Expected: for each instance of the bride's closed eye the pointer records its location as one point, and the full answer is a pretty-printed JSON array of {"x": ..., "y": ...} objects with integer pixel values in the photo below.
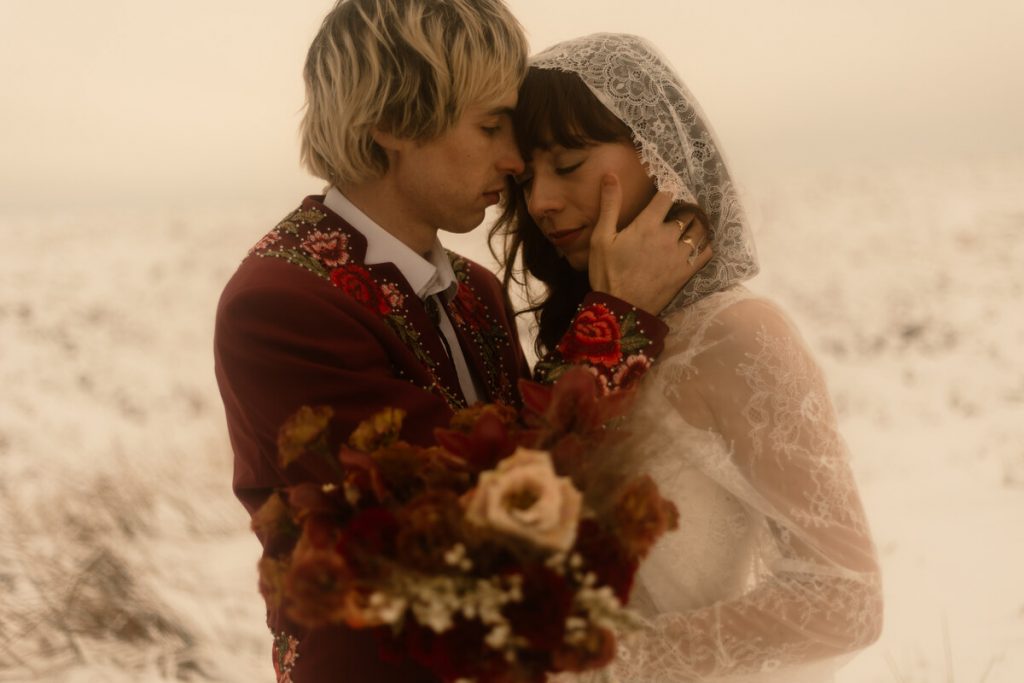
[
  {"x": 525, "y": 179},
  {"x": 553, "y": 161},
  {"x": 566, "y": 170}
]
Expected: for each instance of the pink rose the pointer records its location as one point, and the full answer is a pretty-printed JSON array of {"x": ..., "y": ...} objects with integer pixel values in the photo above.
[{"x": 524, "y": 497}]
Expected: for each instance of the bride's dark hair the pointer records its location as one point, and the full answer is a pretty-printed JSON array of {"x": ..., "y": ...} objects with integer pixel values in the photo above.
[{"x": 555, "y": 108}]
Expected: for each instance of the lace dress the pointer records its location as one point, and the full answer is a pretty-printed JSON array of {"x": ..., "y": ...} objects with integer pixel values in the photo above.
[{"x": 772, "y": 575}]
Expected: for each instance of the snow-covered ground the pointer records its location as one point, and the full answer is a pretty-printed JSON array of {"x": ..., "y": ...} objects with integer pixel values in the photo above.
[{"x": 124, "y": 557}]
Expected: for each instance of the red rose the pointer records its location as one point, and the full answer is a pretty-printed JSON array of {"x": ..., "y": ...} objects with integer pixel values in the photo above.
[
  {"x": 359, "y": 284},
  {"x": 468, "y": 309},
  {"x": 594, "y": 337}
]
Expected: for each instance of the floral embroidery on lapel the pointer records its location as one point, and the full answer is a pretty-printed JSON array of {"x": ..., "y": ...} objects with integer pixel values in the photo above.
[
  {"x": 387, "y": 300},
  {"x": 489, "y": 338},
  {"x": 610, "y": 347},
  {"x": 316, "y": 249},
  {"x": 330, "y": 248},
  {"x": 286, "y": 651},
  {"x": 359, "y": 283},
  {"x": 327, "y": 253}
]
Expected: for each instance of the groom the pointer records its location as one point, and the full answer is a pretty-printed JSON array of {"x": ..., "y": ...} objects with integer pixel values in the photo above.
[{"x": 351, "y": 301}]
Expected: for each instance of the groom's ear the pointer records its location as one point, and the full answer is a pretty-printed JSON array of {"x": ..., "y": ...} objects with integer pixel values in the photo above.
[{"x": 389, "y": 142}]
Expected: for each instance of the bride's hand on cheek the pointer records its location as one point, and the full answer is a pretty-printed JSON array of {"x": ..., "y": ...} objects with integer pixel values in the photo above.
[{"x": 647, "y": 262}]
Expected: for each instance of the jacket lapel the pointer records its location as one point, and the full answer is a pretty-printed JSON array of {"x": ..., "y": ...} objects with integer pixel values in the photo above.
[
  {"x": 485, "y": 343},
  {"x": 315, "y": 238}
]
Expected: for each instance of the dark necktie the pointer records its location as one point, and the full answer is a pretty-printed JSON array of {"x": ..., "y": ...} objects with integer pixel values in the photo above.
[{"x": 434, "y": 312}]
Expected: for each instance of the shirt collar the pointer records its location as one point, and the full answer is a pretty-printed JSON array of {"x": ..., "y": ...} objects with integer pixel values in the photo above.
[{"x": 433, "y": 275}]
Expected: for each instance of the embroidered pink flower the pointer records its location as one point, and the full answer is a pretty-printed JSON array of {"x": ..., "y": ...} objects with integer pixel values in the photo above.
[
  {"x": 358, "y": 283},
  {"x": 292, "y": 654},
  {"x": 286, "y": 651},
  {"x": 266, "y": 241},
  {"x": 633, "y": 368},
  {"x": 393, "y": 295},
  {"x": 603, "y": 385},
  {"x": 595, "y": 338},
  {"x": 330, "y": 247}
]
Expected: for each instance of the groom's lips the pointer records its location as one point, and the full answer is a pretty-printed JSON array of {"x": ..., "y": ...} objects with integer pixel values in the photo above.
[{"x": 493, "y": 196}]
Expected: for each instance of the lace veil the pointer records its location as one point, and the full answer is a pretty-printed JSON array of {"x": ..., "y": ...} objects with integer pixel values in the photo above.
[
  {"x": 676, "y": 143},
  {"x": 772, "y": 576}
]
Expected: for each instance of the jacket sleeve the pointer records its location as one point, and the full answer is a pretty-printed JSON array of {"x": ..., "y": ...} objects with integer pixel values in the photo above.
[
  {"x": 614, "y": 340},
  {"x": 280, "y": 346}
]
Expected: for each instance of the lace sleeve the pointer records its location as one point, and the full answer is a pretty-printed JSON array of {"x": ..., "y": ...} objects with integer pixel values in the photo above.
[{"x": 813, "y": 593}]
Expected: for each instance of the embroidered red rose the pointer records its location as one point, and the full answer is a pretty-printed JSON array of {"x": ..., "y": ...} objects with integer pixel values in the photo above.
[
  {"x": 595, "y": 337},
  {"x": 468, "y": 310},
  {"x": 330, "y": 247},
  {"x": 358, "y": 283}
]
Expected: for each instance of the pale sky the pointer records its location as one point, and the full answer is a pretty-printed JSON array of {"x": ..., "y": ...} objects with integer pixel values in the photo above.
[{"x": 181, "y": 102}]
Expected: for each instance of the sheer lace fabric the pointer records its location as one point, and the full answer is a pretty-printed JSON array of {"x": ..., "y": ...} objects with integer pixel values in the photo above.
[
  {"x": 772, "y": 574},
  {"x": 675, "y": 140}
]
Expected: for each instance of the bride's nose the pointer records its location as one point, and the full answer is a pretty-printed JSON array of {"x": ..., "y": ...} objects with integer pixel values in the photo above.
[{"x": 543, "y": 198}]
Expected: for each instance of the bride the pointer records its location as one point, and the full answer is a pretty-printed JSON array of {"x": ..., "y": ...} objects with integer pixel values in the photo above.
[{"x": 772, "y": 575}]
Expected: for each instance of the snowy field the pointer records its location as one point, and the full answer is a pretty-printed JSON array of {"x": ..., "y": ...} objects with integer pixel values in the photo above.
[{"x": 124, "y": 557}]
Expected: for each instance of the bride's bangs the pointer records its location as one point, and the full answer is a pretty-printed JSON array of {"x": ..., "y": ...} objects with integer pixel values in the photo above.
[{"x": 557, "y": 108}]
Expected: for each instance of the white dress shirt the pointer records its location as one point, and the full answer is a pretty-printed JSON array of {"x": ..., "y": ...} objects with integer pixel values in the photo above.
[{"x": 433, "y": 277}]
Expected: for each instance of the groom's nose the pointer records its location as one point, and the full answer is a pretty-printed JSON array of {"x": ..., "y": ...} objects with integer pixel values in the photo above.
[{"x": 511, "y": 161}]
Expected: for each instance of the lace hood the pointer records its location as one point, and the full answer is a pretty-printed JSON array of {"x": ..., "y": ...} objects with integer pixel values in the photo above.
[{"x": 675, "y": 141}]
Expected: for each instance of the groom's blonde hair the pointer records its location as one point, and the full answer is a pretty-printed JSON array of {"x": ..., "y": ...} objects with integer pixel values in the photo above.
[{"x": 406, "y": 67}]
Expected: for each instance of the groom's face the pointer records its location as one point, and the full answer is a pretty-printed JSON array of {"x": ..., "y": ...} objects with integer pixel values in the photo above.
[{"x": 449, "y": 181}]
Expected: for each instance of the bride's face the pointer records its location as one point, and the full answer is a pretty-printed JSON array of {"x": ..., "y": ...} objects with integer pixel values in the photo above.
[{"x": 562, "y": 188}]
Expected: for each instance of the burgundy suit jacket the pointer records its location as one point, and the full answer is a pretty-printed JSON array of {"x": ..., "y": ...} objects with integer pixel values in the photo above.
[{"x": 304, "y": 321}]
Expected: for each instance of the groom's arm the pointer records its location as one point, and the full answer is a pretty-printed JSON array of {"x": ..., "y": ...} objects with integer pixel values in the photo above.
[{"x": 283, "y": 340}]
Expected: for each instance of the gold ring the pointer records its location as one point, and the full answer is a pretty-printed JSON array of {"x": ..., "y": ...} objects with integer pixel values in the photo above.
[
  {"x": 682, "y": 226},
  {"x": 694, "y": 249}
]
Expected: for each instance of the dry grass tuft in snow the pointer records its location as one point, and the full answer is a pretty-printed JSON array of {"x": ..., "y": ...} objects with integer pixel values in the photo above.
[{"x": 124, "y": 557}]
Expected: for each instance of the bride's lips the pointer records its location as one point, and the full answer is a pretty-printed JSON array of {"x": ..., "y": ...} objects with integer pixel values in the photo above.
[{"x": 562, "y": 238}]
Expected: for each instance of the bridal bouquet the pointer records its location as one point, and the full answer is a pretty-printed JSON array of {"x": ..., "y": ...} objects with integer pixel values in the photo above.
[{"x": 500, "y": 554}]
